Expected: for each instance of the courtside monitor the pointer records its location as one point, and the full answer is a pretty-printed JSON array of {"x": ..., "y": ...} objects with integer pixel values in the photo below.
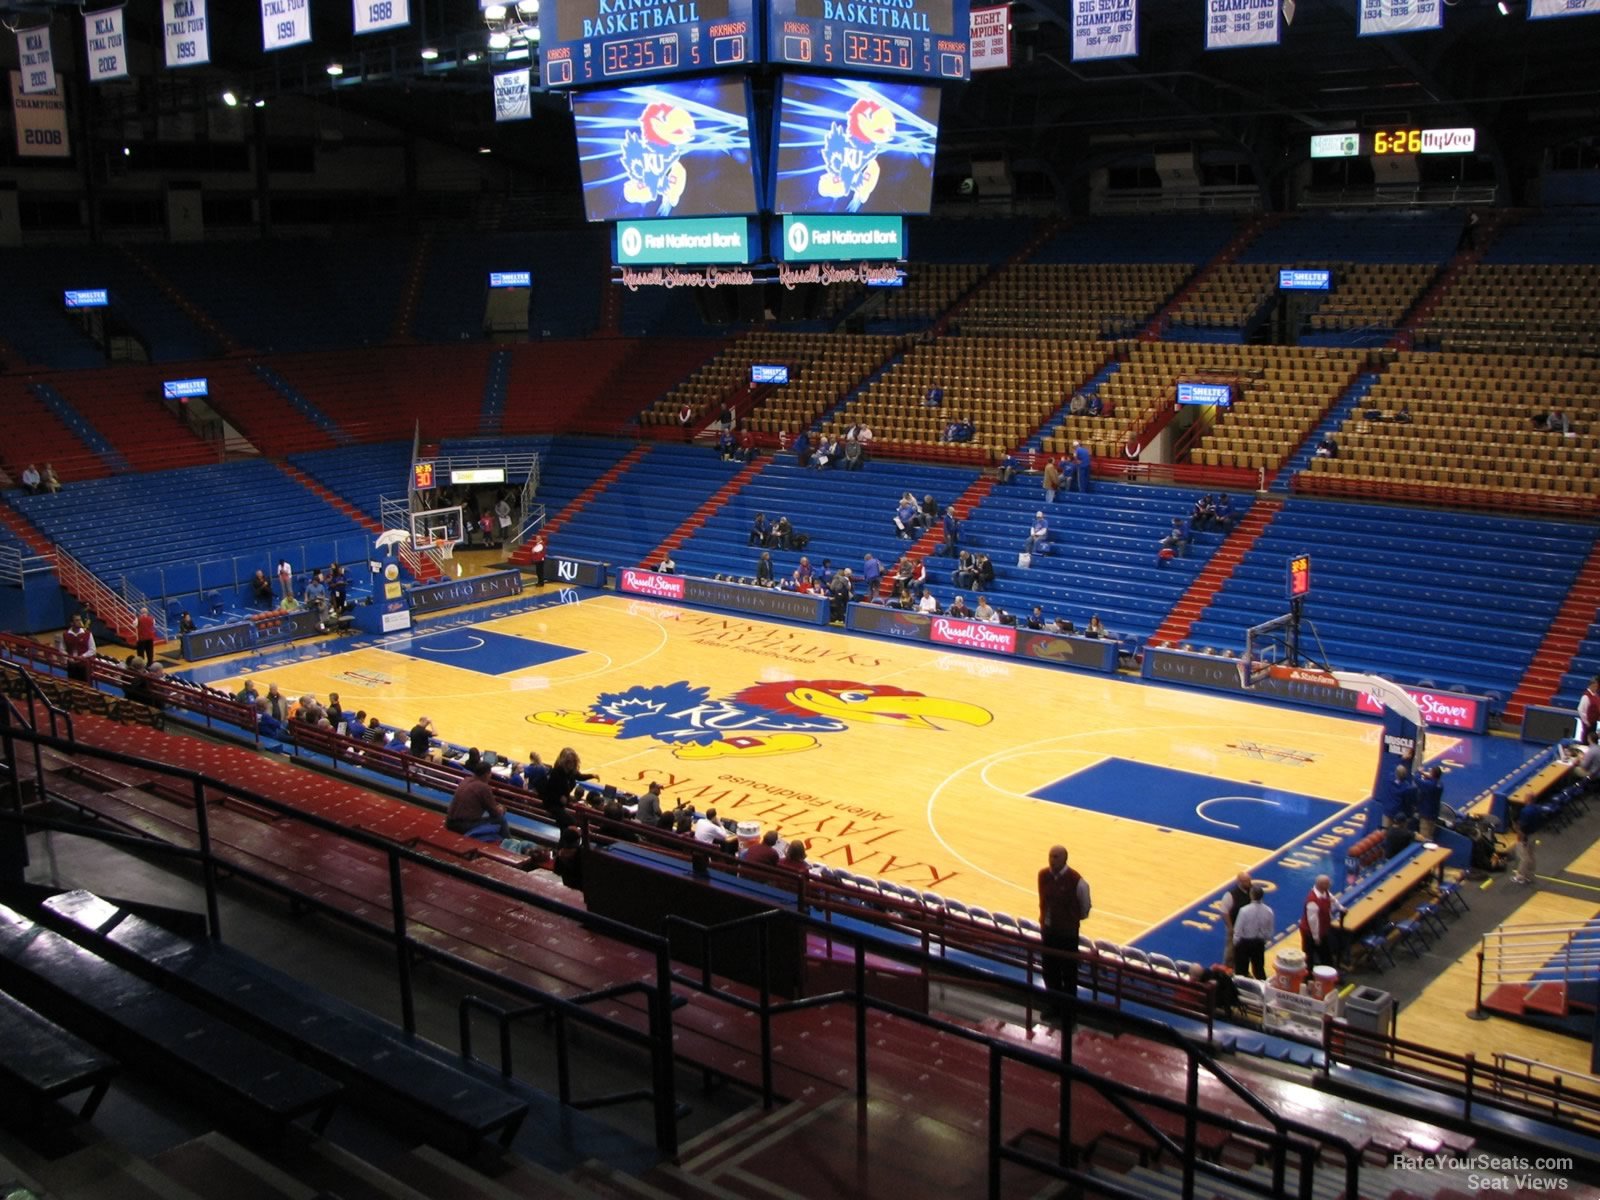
[
  {"x": 185, "y": 389},
  {"x": 510, "y": 279},
  {"x": 1220, "y": 394},
  {"x": 854, "y": 146},
  {"x": 769, "y": 373},
  {"x": 676, "y": 148},
  {"x": 87, "y": 298},
  {"x": 1304, "y": 281}
]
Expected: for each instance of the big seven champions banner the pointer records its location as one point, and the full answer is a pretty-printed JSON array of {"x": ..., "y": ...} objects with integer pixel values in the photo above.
[
  {"x": 41, "y": 121},
  {"x": 1232, "y": 23},
  {"x": 1104, "y": 29},
  {"x": 373, "y": 15},
  {"x": 188, "y": 39},
  {"x": 1562, "y": 8},
  {"x": 285, "y": 23},
  {"x": 107, "y": 47},
  {"x": 513, "y": 95},
  {"x": 38, "y": 63},
  {"x": 1399, "y": 16}
]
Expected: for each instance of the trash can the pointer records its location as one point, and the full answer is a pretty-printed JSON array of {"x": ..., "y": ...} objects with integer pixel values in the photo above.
[{"x": 1370, "y": 1010}]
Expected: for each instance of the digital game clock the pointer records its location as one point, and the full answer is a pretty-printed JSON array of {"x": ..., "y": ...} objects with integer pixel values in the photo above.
[
  {"x": 915, "y": 39},
  {"x": 595, "y": 41}
]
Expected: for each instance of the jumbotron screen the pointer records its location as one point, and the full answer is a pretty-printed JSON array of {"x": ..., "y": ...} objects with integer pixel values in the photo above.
[
  {"x": 678, "y": 148},
  {"x": 854, "y": 146}
]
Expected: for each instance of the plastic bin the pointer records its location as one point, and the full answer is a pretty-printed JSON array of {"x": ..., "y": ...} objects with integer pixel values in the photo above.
[{"x": 1370, "y": 1010}]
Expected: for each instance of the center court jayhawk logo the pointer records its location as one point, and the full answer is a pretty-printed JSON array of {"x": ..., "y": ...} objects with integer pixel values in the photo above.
[{"x": 766, "y": 719}]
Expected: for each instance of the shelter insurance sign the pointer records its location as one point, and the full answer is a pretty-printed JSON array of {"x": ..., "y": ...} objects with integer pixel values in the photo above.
[
  {"x": 1400, "y": 16},
  {"x": 1234, "y": 23},
  {"x": 41, "y": 121},
  {"x": 989, "y": 46},
  {"x": 106, "y": 45},
  {"x": 285, "y": 23},
  {"x": 188, "y": 40},
  {"x": 38, "y": 62},
  {"x": 1104, "y": 29}
]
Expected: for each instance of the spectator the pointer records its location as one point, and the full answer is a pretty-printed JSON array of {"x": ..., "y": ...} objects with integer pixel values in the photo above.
[
  {"x": 1036, "y": 618},
  {"x": 1081, "y": 462},
  {"x": 31, "y": 480},
  {"x": 77, "y": 643},
  {"x": 1328, "y": 449},
  {"x": 568, "y": 864},
  {"x": 1051, "y": 480},
  {"x": 1078, "y": 405},
  {"x": 534, "y": 771},
  {"x": 985, "y": 611},
  {"x": 186, "y": 623},
  {"x": 1227, "y": 992},
  {"x": 1178, "y": 538},
  {"x": 965, "y": 574},
  {"x": 1096, "y": 628},
  {"x": 1038, "y": 535},
  {"x": 918, "y": 583},
  {"x": 667, "y": 565},
  {"x": 248, "y": 693},
  {"x": 952, "y": 533},
  {"x": 710, "y": 831},
  {"x": 935, "y": 397},
  {"x": 905, "y": 517},
  {"x": 928, "y": 605},
  {"x": 1430, "y": 799},
  {"x": 1096, "y": 405},
  {"x": 1399, "y": 800},
  {"x": 852, "y": 455},
  {"x": 959, "y": 609},
  {"x": 1233, "y": 900},
  {"x": 1469, "y": 232},
  {"x": 871, "y": 573},
  {"x": 557, "y": 784},
  {"x": 317, "y": 595},
  {"x": 338, "y": 589},
  {"x": 648, "y": 810},
  {"x": 802, "y": 449},
  {"x": 1223, "y": 513},
  {"x": 421, "y": 738},
  {"x": 928, "y": 513},
  {"x": 285, "y": 581},
  {"x": 1065, "y": 625},
  {"x": 765, "y": 852},
  {"x": 985, "y": 569},
  {"x": 374, "y": 734},
  {"x": 840, "y": 590},
  {"x": 827, "y": 453},
  {"x": 1253, "y": 927},
  {"x": 267, "y": 725},
  {"x": 1403, "y": 417},
  {"x": 794, "y": 857},
  {"x": 803, "y": 576},
  {"x": 474, "y": 812},
  {"x": 1589, "y": 712},
  {"x": 764, "y": 569},
  {"x": 685, "y": 420}
]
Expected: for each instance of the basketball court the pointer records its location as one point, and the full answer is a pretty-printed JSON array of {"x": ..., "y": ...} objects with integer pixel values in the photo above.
[{"x": 944, "y": 771}]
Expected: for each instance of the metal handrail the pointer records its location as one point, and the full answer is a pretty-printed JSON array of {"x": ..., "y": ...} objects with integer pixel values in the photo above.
[
  {"x": 205, "y": 790},
  {"x": 102, "y": 600}
]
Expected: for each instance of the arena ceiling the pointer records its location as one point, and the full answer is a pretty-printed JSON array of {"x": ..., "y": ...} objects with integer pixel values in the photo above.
[{"x": 1525, "y": 85}]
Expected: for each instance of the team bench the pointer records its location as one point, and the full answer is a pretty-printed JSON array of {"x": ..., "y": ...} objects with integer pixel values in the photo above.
[
  {"x": 382, "y": 1068},
  {"x": 152, "y": 1030}
]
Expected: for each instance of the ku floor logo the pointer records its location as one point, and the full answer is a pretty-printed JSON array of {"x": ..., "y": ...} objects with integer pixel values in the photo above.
[
  {"x": 632, "y": 243},
  {"x": 798, "y": 237}
]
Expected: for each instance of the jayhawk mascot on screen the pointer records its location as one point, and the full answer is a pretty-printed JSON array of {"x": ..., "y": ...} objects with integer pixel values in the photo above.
[
  {"x": 650, "y": 156},
  {"x": 850, "y": 152}
]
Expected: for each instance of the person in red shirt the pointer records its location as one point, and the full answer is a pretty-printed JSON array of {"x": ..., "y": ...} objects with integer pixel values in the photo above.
[
  {"x": 765, "y": 852},
  {"x": 1589, "y": 712},
  {"x": 1318, "y": 931},
  {"x": 145, "y": 636},
  {"x": 536, "y": 553},
  {"x": 77, "y": 642}
]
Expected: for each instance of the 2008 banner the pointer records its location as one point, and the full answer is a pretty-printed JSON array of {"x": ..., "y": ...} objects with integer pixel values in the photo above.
[
  {"x": 41, "y": 121},
  {"x": 373, "y": 15},
  {"x": 1234, "y": 23},
  {"x": 107, "y": 46},
  {"x": 188, "y": 38},
  {"x": 1400, "y": 16},
  {"x": 1104, "y": 29},
  {"x": 285, "y": 23}
]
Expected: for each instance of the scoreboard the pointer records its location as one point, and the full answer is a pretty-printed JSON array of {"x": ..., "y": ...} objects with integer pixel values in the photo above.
[
  {"x": 914, "y": 39},
  {"x": 609, "y": 41},
  {"x": 590, "y": 42}
]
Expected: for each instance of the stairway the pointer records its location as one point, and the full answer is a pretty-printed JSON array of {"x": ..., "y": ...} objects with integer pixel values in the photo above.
[
  {"x": 702, "y": 514},
  {"x": 493, "y": 414},
  {"x": 1046, "y": 231},
  {"x": 62, "y": 409},
  {"x": 933, "y": 537},
  {"x": 1496, "y": 220},
  {"x": 400, "y": 334},
  {"x": 609, "y": 322},
  {"x": 1180, "y": 620},
  {"x": 301, "y": 403},
  {"x": 1341, "y": 408},
  {"x": 24, "y": 529},
  {"x": 1542, "y": 679},
  {"x": 187, "y": 306},
  {"x": 344, "y": 506},
  {"x": 1052, "y": 424},
  {"x": 623, "y": 465},
  {"x": 1253, "y": 229}
]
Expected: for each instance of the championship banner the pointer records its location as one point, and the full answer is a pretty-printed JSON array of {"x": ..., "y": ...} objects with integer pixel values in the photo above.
[
  {"x": 285, "y": 23},
  {"x": 41, "y": 121},
  {"x": 183, "y": 24},
  {"x": 1539, "y": 9},
  {"x": 1400, "y": 16},
  {"x": 1234, "y": 23},
  {"x": 513, "y": 95},
  {"x": 373, "y": 15},
  {"x": 108, "y": 48},
  {"x": 38, "y": 64},
  {"x": 989, "y": 43},
  {"x": 1104, "y": 29}
]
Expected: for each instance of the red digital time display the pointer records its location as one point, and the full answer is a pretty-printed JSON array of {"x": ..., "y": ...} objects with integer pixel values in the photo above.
[
  {"x": 877, "y": 50},
  {"x": 1299, "y": 576}
]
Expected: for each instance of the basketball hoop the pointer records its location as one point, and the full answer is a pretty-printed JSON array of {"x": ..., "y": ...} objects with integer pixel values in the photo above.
[{"x": 1302, "y": 675}]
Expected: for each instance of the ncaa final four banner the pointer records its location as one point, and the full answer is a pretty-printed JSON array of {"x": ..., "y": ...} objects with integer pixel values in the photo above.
[
  {"x": 188, "y": 39},
  {"x": 1231, "y": 24},
  {"x": 38, "y": 63},
  {"x": 1400, "y": 16},
  {"x": 41, "y": 121},
  {"x": 107, "y": 47},
  {"x": 373, "y": 15},
  {"x": 513, "y": 95},
  {"x": 285, "y": 23},
  {"x": 1104, "y": 29},
  {"x": 1540, "y": 9}
]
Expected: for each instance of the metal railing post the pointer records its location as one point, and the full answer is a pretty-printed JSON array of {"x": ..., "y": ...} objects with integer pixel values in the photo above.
[
  {"x": 208, "y": 862},
  {"x": 995, "y": 1063},
  {"x": 861, "y": 1021},
  {"x": 764, "y": 958},
  {"x": 664, "y": 1083},
  {"x": 402, "y": 948}
]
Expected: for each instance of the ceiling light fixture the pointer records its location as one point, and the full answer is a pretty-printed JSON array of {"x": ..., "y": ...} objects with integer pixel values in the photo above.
[
  {"x": 335, "y": 69},
  {"x": 428, "y": 54},
  {"x": 231, "y": 100}
]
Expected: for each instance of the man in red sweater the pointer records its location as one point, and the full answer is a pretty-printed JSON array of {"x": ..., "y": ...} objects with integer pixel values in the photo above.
[
  {"x": 1063, "y": 904},
  {"x": 145, "y": 636}
]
